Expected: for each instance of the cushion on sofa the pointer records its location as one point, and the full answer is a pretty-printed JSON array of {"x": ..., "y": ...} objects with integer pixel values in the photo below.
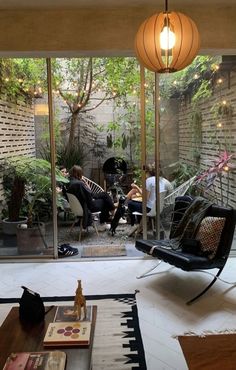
[{"x": 209, "y": 234}]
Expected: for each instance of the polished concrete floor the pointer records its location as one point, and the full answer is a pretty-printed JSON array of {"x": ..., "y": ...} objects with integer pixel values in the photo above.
[{"x": 161, "y": 300}]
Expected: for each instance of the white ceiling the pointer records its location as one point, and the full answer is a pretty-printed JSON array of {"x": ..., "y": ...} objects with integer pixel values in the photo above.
[{"x": 59, "y": 4}]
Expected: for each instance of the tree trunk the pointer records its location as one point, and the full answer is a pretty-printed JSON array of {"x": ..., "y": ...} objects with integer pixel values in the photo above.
[
  {"x": 71, "y": 140},
  {"x": 15, "y": 202}
]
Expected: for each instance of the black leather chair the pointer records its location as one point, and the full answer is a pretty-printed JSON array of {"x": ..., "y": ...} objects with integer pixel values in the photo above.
[{"x": 190, "y": 260}]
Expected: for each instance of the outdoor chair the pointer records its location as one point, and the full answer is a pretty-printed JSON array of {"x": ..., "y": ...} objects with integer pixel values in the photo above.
[
  {"x": 179, "y": 191},
  {"x": 95, "y": 188},
  {"x": 169, "y": 202},
  {"x": 77, "y": 209},
  {"x": 152, "y": 213},
  {"x": 166, "y": 204},
  {"x": 209, "y": 249}
]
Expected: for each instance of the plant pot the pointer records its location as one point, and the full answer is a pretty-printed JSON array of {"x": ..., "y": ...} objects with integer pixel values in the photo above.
[
  {"x": 9, "y": 227},
  {"x": 30, "y": 240}
]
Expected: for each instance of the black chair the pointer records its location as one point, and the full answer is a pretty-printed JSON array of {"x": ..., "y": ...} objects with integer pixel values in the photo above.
[{"x": 191, "y": 260}]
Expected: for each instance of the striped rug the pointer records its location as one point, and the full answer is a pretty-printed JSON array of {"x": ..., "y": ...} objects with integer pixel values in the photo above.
[{"x": 117, "y": 342}]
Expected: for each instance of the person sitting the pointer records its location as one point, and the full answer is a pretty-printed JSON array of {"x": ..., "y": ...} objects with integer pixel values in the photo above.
[
  {"x": 135, "y": 205},
  {"x": 89, "y": 201},
  {"x": 61, "y": 190}
]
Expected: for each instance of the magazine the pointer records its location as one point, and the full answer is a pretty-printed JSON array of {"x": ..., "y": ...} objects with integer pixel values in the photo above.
[
  {"x": 55, "y": 360},
  {"x": 68, "y": 334},
  {"x": 66, "y": 313}
]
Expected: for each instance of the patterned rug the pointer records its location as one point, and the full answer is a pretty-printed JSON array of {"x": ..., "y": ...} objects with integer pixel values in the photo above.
[
  {"x": 103, "y": 251},
  {"x": 117, "y": 342}
]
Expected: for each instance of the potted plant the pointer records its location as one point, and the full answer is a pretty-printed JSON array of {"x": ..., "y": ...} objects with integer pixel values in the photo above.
[
  {"x": 34, "y": 176},
  {"x": 14, "y": 191},
  {"x": 218, "y": 168}
]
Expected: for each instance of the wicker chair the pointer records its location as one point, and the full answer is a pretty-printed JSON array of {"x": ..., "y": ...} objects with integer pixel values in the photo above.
[
  {"x": 179, "y": 191},
  {"x": 95, "y": 188}
]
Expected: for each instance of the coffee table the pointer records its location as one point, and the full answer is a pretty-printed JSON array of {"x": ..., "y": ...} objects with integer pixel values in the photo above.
[{"x": 18, "y": 337}]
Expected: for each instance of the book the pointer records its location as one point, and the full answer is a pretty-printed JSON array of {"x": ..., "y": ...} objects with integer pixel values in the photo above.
[
  {"x": 55, "y": 360},
  {"x": 66, "y": 313},
  {"x": 67, "y": 334}
]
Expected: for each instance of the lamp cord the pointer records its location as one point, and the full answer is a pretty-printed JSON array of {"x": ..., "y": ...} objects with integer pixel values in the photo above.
[{"x": 166, "y": 6}]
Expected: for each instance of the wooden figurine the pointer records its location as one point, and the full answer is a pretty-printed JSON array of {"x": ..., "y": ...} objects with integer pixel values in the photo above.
[{"x": 80, "y": 302}]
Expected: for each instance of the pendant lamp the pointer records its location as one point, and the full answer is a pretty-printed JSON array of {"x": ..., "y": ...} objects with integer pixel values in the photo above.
[{"x": 167, "y": 42}]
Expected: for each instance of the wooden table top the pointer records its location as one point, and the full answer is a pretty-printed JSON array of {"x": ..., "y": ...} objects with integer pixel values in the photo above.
[{"x": 18, "y": 337}]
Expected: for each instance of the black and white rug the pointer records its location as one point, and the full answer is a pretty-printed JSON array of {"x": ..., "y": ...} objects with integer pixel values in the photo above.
[{"x": 117, "y": 342}]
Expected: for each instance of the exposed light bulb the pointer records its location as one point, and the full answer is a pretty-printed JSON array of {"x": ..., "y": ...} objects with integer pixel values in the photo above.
[{"x": 167, "y": 37}]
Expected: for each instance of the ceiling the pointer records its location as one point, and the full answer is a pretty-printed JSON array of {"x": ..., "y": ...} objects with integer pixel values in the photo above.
[
  {"x": 104, "y": 27},
  {"x": 68, "y": 4}
]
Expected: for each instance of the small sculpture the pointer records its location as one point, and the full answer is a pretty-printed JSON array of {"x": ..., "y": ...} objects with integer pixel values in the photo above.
[{"x": 80, "y": 302}]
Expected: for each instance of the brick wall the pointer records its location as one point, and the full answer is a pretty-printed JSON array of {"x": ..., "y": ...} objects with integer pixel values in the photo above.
[
  {"x": 212, "y": 137},
  {"x": 17, "y": 132}
]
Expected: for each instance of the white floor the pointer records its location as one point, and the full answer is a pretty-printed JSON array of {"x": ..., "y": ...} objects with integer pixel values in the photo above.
[{"x": 161, "y": 300}]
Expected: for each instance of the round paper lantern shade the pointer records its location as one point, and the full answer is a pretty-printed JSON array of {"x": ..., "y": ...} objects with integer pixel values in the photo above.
[{"x": 147, "y": 42}]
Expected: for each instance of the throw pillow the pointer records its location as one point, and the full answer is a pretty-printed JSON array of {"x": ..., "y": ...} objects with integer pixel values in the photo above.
[{"x": 209, "y": 234}]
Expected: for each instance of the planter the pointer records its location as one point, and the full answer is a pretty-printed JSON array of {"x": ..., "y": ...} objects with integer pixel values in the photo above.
[
  {"x": 9, "y": 227},
  {"x": 30, "y": 240}
]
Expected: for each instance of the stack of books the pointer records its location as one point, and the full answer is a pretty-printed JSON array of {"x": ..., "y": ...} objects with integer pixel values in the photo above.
[
  {"x": 67, "y": 330},
  {"x": 55, "y": 360}
]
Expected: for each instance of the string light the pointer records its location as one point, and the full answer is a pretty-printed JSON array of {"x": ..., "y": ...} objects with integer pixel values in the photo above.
[
  {"x": 220, "y": 80},
  {"x": 226, "y": 168},
  {"x": 224, "y": 102},
  {"x": 219, "y": 124},
  {"x": 7, "y": 79},
  {"x": 196, "y": 76}
]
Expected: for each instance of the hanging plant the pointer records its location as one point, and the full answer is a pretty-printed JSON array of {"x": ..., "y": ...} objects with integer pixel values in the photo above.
[
  {"x": 222, "y": 110},
  {"x": 124, "y": 141},
  {"x": 196, "y": 123},
  {"x": 109, "y": 141}
]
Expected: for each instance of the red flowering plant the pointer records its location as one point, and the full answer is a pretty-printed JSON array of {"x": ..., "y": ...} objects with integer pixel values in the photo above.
[{"x": 218, "y": 169}]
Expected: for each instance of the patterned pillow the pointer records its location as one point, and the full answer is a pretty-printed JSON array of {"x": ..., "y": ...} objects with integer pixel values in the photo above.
[{"x": 209, "y": 234}]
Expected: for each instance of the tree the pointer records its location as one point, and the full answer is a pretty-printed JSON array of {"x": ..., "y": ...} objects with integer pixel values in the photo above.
[
  {"x": 86, "y": 83},
  {"x": 22, "y": 79}
]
